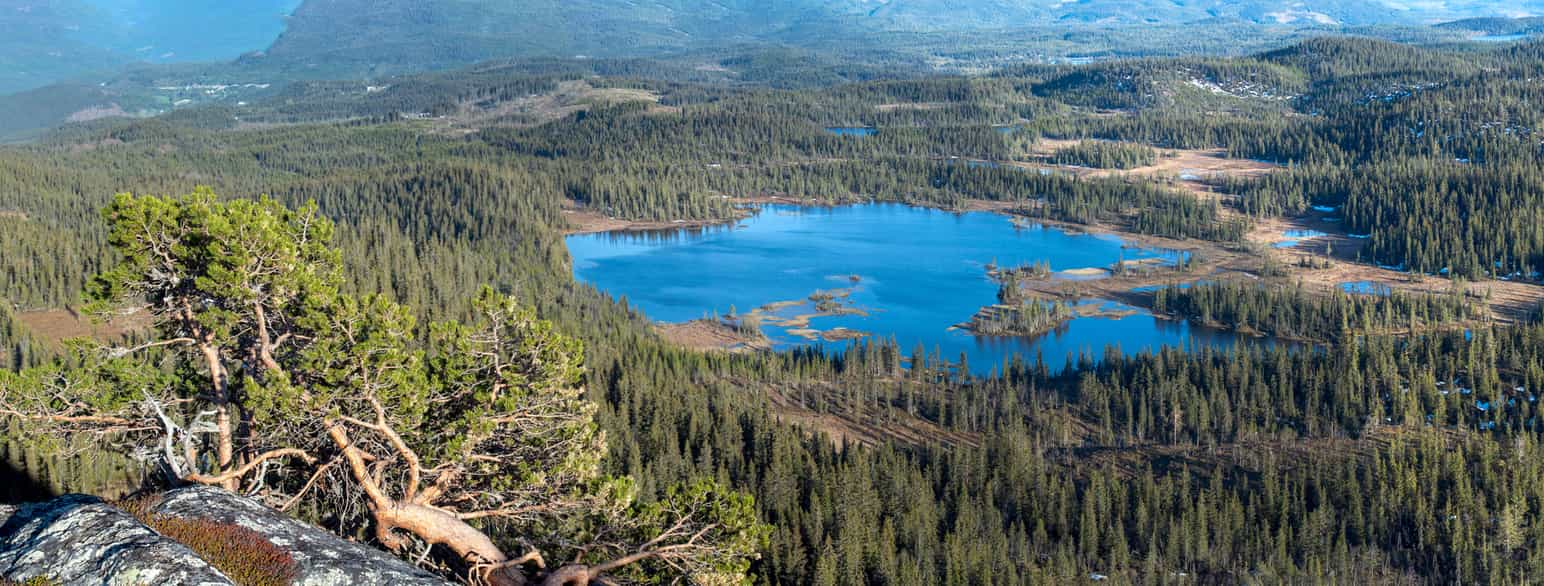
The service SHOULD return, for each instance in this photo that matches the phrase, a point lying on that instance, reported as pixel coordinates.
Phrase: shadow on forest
(20, 486)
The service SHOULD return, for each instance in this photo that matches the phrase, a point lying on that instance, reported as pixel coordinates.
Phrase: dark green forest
(1296, 313)
(1105, 155)
(1370, 456)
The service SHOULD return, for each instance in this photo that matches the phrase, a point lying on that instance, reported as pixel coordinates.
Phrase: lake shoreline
(712, 335)
(582, 220)
(870, 271)
(1083, 310)
(1217, 261)
(1132, 286)
(1085, 282)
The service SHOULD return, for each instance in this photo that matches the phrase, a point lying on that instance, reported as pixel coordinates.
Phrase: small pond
(1499, 38)
(1366, 288)
(852, 130)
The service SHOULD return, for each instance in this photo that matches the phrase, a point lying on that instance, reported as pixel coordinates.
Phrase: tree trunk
(432, 525)
(225, 444)
(441, 528)
(572, 575)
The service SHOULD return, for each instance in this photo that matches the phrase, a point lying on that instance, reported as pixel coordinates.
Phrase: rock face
(323, 558)
(78, 540)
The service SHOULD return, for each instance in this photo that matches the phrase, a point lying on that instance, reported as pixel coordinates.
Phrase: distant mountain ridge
(44, 41)
(1497, 26)
(84, 42)
(1020, 13)
(389, 34)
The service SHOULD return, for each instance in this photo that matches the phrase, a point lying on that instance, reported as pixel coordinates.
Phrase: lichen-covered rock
(78, 540)
(323, 558)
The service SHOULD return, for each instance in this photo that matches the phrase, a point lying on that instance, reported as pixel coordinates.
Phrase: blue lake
(1296, 237)
(1366, 288)
(852, 131)
(1180, 286)
(913, 272)
(1499, 38)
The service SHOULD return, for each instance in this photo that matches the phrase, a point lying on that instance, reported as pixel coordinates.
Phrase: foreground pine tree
(477, 447)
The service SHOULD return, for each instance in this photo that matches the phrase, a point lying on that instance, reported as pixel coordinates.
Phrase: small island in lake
(821, 303)
(1021, 313)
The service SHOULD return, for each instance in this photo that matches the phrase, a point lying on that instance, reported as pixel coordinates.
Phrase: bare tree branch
(252, 465)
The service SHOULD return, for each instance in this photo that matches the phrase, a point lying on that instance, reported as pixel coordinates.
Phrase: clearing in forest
(1196, 170)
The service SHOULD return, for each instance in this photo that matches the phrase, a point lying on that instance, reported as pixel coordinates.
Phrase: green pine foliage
(1296, 313)
(1105, 155)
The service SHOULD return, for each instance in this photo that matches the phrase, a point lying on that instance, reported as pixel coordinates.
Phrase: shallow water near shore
(896, 271)
(1500, 38)
(853, 131)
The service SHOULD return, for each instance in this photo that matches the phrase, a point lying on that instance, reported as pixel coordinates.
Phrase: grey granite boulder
(323, 558)
(78, 540)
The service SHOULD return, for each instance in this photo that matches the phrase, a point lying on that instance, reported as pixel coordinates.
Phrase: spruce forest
(1389, 434)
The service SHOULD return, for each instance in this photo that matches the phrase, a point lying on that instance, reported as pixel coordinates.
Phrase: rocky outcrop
(79, 540)
(323, 559)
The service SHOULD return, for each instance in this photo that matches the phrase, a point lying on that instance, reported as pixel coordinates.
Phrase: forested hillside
(1373, 457)
(86, 59)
